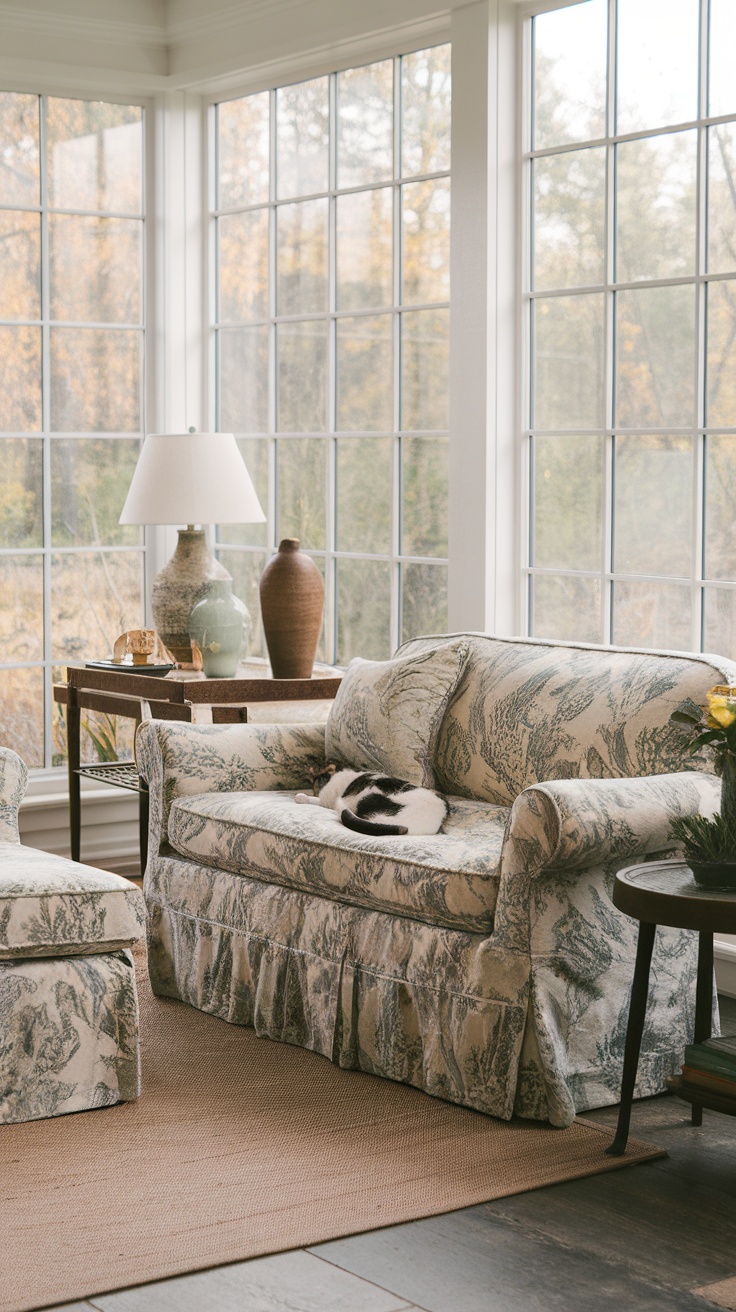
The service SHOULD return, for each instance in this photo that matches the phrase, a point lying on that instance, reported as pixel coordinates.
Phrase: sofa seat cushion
(448, 879)
(52, 907)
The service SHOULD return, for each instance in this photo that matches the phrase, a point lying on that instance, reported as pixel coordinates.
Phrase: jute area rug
(240, 1147)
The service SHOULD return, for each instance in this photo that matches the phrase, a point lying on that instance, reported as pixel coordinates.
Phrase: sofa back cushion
(526, 710)
(387, 714)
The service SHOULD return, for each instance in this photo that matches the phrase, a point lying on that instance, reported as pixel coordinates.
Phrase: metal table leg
(73, 727)
(703, 1004)
(634, 1031)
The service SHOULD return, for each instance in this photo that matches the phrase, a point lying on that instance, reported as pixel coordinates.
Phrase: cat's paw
(302, 797)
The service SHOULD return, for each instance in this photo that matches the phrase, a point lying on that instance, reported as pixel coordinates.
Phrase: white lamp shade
(191, 478)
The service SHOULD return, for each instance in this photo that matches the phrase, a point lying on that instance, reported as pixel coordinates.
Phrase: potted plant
(710, 844)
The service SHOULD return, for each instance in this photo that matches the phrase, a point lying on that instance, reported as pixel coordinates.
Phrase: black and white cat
(377, 804)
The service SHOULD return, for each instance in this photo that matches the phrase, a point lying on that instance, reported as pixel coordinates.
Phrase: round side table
(665, 893)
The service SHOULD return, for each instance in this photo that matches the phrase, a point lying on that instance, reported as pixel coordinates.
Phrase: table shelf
(121, 774)
(714, 1102)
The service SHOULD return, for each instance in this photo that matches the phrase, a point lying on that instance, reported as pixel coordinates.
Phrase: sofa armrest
(177, 760)
(579, 823)
(13, 783)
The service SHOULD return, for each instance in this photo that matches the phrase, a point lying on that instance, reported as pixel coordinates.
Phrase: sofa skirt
(68, 1035)
(437, 1009)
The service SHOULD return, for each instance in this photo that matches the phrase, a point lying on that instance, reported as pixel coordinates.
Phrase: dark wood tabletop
(665, 893)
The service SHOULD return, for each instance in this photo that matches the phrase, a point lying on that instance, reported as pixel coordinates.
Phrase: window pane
(302, 377)
(425, 111)
(301, 268)
(364, 494)
(243, 265)
(566, 607)
(425, 369)
(302, 138)
(568, 502)
(568, 362)
(655, 207)
(254, 451)
(19, 172)
(424, 478)
(95, 596)
(21, 501)
(243, 358)
(720, 493)
(365, 249)
(655, 357)
(90, 479)
(721, 359)
(569, 219)
(426, 242)
(243, 151)
(365, 123)
(21, 714)
(20, 264)
(657, 63)
(21, 605)
(423, 600)
(246, 568)
(302, 490)
(721, 85)
(365, 373)
(570, 74)
(653, 506)
(719, 630)
(95, 380)
(363, 610)
(652, 615)
(20, 380)
(95, 268)
(95, 154)
(722, 198)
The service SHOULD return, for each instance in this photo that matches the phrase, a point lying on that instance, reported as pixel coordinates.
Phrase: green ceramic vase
(220, 625)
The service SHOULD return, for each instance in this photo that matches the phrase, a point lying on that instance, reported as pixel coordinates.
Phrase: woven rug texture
(240, 1147)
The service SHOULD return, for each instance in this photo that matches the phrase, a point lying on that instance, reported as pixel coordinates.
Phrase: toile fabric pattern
(55, 908)
(522, 1014)
(449, 879)
(68, 1001)
(387, 714)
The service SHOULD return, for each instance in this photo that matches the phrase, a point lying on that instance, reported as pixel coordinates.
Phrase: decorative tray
(127, 667)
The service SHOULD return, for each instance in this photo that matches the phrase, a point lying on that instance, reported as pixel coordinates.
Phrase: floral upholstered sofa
(68, 1001)
(486, 964)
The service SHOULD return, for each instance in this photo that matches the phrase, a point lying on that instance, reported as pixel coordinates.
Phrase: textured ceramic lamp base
(178, 587)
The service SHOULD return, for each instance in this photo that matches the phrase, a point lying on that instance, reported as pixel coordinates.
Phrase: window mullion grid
(609, 338)
(701, 293)
(46, 441)
(272, 340)
(396, 583)
(330, 617)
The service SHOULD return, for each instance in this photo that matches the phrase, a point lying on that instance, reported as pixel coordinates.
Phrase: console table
(180, 695)
(665, 893)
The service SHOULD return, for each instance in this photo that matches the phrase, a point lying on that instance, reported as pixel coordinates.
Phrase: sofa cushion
(526, 711)
(52, 907)
(448, 879)
(387, 714)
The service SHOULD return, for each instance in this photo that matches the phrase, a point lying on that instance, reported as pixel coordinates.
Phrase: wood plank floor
(643, 1238)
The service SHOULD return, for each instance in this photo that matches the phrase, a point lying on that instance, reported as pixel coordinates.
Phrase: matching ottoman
(68, 1003)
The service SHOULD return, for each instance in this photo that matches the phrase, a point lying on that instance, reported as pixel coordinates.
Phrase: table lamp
(188, 478)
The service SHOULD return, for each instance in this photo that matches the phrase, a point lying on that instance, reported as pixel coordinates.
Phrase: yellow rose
(721, 707)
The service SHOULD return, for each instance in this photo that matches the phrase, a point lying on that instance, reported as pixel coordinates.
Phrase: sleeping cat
(362, 800)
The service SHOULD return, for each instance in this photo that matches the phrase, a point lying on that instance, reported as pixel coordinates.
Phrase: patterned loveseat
(486, 964)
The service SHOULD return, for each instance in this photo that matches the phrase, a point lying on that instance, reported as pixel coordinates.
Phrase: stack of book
(711, 1066)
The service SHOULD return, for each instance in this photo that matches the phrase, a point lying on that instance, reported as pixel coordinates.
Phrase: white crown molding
(330, 56)
(56, 78)
(109, 31)
(234, 16)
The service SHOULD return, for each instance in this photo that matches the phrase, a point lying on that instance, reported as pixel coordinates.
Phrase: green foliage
(104, 739)
(702, 839)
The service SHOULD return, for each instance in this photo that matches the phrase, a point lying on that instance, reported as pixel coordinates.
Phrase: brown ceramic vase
(292, 601)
